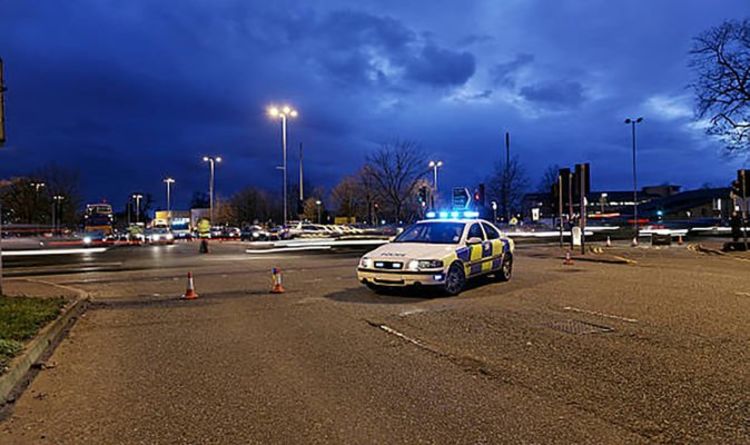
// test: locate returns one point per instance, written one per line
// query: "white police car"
(441, 252)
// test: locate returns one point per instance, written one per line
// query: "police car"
(442, 252)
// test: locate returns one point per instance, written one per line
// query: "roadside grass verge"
(20, 319)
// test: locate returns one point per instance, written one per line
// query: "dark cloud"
(562, 94)
(361, 49)
(505, 73)
(441, 67)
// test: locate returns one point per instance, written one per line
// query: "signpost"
(461, 198)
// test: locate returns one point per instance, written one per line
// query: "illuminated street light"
(494, 210)
(632, 123)
(434, 165)
(284, 114)
(169, 181)
(318, 203)
(137, 197)
(212, 160)
(56, 202)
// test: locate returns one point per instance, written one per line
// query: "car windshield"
(432, 233)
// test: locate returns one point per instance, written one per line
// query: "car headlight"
(155, 237)
(86, 240)
(365, 263)
(256, 235)
(424, 264)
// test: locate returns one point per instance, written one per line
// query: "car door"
(477, 251)
(496, 245)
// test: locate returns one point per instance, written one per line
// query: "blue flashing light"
(471, 214)
(443, 214)
(430, 214)
(454, 214)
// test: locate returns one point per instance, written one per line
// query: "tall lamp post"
(283, 113)
(212, 161)
(494, 212)
(36, 186)
(137, 197)
(632, 123)
(318, 203)
(169, 182)
(434, 165)
(56, 214)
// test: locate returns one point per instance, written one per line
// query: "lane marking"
(412, 311)
(286, 249)
(742, 294)
(42, 252)
(599, 314)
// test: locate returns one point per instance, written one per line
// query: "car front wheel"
(455, 280)
(506, 270)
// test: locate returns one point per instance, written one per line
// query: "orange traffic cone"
(609, 242)
(190, 293)
(568, 261)
(277, 287)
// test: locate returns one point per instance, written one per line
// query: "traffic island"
(29, 329)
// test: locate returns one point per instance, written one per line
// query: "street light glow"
(218, 159)
(205, 158)
(169, 180)
(284, 112)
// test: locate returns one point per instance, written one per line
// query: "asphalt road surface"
(649, 352)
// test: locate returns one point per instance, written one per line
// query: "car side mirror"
(473, 240)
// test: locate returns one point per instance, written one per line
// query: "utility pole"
(2, 141)
(506, 178)
(560, 204)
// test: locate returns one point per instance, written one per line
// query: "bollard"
(568, 261)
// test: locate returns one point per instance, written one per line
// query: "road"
(652, 352)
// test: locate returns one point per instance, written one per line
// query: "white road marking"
(411, 311)
(742, 294)
(286, 249)
(600, 314)
(40, 252)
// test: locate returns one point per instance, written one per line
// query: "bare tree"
(510, 182)
(394, 170)
(549, 178)
(252, 205)
(721, 59)
(346, 197)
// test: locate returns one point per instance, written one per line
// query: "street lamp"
(494, 211)
(212, 161)
(632, 123)
(434, 165)
(56, 202)
(137, 197)
(36, 186)
(283, 113)
(318, 203)
(602, 200)
(169, 182)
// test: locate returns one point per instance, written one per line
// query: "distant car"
(231, 232)
(255, 233)
(443, 253)
(159, 236)
(95, 238)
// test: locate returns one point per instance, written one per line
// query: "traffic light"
(422, 195)
(2, 105)
(743, 183)
(479, 196)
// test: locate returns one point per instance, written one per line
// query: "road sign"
(461, 198)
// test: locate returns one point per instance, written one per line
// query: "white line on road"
(411, 311)
(742, 294)
(599, 314)
(287, 249)
(40, 252)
